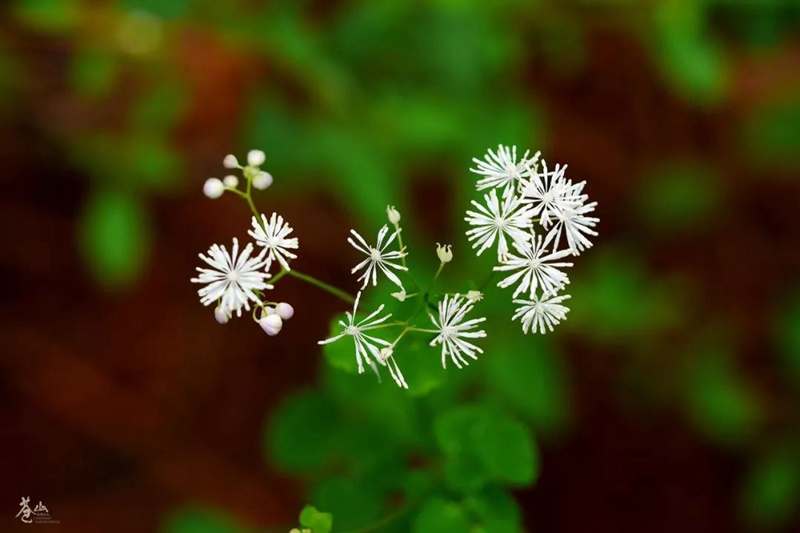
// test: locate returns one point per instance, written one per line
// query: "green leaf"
(438, 515)
(696, 66)
(771, 136)
(480, 444)
(54, 16)
(158, 109)
(507, 449)
(196, 519)
(497, 511)
(115, 237)
(525, 374)
(721, 402)
(298, 436)
(679, 197)
(788, 336)
(353, 505)
(316, 521)
(168, 9)
(93, 72)
(771, 490)
(340, 354)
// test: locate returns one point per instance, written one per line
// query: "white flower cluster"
(233, 280)
(535, 219)
(536, 212)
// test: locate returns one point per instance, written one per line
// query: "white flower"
(445, 253)
(272, 235)
(496, 221)
(366, 345)
(575, 224)
(385, 357)
(378, 258)
(232, 279)
(393, 215)
(541, 312)
(255, 158)
(262, 180)
(548, 193)
(501, 169)
(453, 331)
(534, 268)
(213, 188)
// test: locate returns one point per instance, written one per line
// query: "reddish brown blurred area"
(119, 405)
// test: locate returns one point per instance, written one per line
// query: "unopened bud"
(284, 310)
(221, 315)
(445, 252)
(262, 180)
(474, 296)
(255, 158)
(271, 324)
(393, 214)
(230, 181)
(230, 161)
(213, 188)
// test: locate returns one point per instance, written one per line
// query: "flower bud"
(255, 158)
(221, 315)
(445, 252)
(271, 324)
(230, 161)
(230, 182)
(262, 180)
(393, 214)
(213, 188)
(474, 296)
(385, 354)
(401, 296)
(284, 310)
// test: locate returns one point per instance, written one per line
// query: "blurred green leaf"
(615, 300)
(497, 511)
(771, 136)
(115, 237)
(438, 515)
(341, 354)
(694, 64)
(92, 72)
(297, 437)
(54, 16)
(196, 519)
(722, 404)
(788, 336)
(158, 109)
(315, 520)
(138, 163)
(481, 444)
(353, 505)
(679, 197)
(168, 9)
(772, 489)
(523, 373)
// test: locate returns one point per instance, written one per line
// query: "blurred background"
(668, 401)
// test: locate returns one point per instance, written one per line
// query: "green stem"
(399, 232)
(278, 276)
(339, 293)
